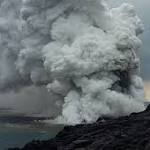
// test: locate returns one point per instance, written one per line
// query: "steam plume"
(82, 51)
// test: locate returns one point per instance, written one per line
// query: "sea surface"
(17, 130)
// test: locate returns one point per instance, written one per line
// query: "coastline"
(124, 133)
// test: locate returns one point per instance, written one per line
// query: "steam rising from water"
(82, 51)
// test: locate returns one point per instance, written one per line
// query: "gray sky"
(143, 10)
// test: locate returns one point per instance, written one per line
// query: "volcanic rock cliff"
(124, 133)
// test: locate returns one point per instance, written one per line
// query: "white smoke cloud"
(83, 52)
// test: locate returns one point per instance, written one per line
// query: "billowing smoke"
(82, 51)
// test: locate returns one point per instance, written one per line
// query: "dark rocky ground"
(124, 133)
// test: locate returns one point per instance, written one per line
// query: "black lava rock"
(124, 133)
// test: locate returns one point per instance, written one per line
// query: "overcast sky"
(143, 10)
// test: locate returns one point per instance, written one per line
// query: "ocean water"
(17, 131)
(18, 135)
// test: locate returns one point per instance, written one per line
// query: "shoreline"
(123, 133)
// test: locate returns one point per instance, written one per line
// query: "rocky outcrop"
(124, 133)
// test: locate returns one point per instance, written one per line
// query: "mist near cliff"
(83, 53)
